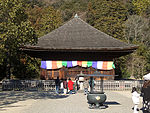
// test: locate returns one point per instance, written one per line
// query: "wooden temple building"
(77, 41)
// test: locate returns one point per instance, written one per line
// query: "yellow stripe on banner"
(109, 65)
(84, 63)
(59, 64)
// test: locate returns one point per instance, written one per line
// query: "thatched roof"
(78, 36)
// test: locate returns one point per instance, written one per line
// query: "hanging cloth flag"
(54, 64)
(89, 63)
(79, 63)
(74, 63)
(109, 65)
(64, 63)
(49, 64)
(43, 64)
(99, 64)
(84, 63)
(104, 65)
(94, 64)
(113, 65)
(59, 64)
(69, 63)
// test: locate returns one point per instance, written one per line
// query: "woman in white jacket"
(135, 99)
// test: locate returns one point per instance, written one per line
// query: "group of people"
(64, 86)
(145, 93)
(67, 86)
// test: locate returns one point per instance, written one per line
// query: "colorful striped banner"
(89, 63)
(64, 63)
(79, 63)
(74, 63)
(54, 65)
(49, 64)
(103, 65)
(59, 64)
(43, 64)
(84, 63)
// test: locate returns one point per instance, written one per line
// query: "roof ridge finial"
(76, 15)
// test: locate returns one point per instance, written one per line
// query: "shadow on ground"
(9, 97)
(111, 103)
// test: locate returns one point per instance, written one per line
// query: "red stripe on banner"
(54, 64)
(105, 65)
(79, 63)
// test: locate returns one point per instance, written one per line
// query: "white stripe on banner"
(49, 64)
(99, 64)
(74, 63)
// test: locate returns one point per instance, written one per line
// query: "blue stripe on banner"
(69, 63)
(43, 64)
(94, 64)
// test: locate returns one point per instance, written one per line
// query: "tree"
(15, 31)
(141, 6)
(137, 31)
(69, 8)
(44, 19)
(108, 16)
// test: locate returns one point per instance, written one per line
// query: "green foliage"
(148, 60)
(26, 67)
(69, 8)
(15, 31)
(108, 16)
(44, 19)
(121, 68)
(141, 6)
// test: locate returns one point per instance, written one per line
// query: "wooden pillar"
(60, 74)
(46, 74)
(52, 74)
(63, 72)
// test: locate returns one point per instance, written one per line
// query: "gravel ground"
(48, 102)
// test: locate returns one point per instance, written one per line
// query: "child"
(135, 99)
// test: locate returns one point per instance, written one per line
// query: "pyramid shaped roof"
(78, 36)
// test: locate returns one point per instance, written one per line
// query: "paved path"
(118, 102)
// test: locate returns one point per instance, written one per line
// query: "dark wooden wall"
(72, 73)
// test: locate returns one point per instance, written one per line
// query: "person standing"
(145, 93)
(77, 83)
(62, 86)
(57, 83)
(70, 86)
(65, 86)
(86, 86)
(135, 99)
(91, 83)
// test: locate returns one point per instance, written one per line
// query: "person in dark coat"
(91, 83)
(145, 93)
(57, 83)
(65, 86)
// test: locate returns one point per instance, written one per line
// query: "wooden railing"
(49, 85)
(28, 85)
(119, 84)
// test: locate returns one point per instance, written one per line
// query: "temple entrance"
(48, 74)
